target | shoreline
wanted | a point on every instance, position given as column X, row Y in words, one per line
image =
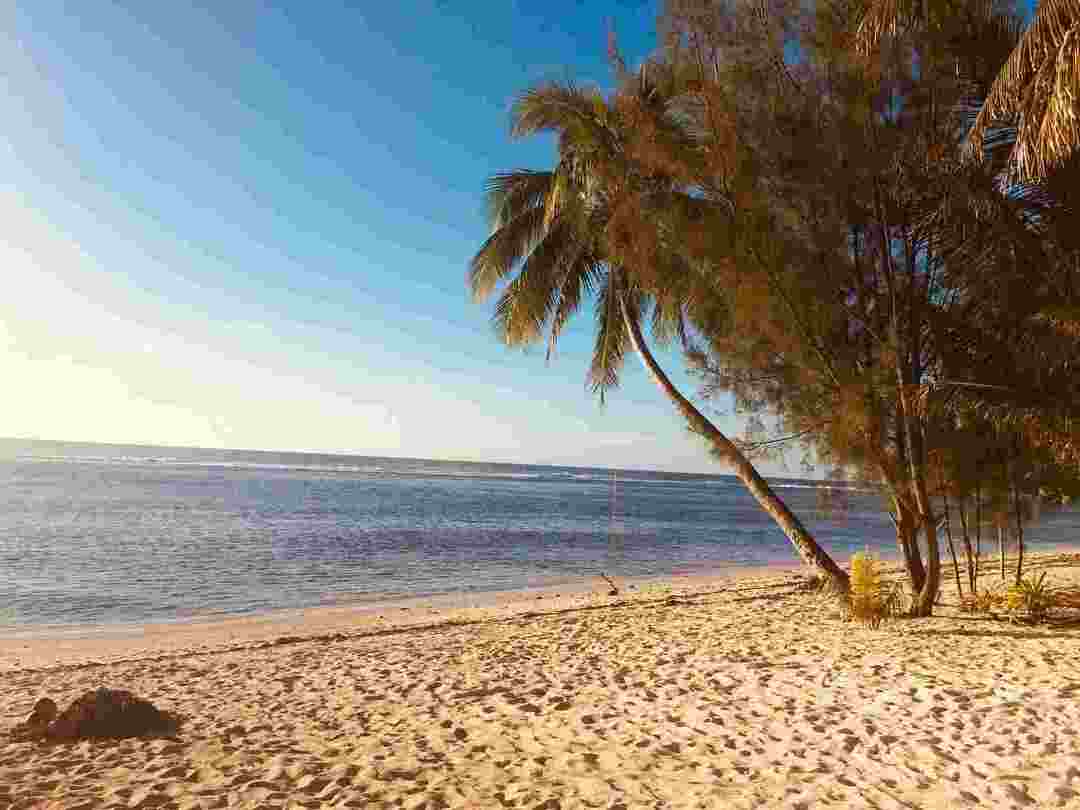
column 39, row 647
column 362, row 603
column 373, row 601
column 56, row 646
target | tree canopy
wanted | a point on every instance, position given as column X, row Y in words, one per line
column 791, row 192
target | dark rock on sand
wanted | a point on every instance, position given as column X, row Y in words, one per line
column 102, row 713
column 44, row 713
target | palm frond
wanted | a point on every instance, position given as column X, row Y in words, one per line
column 529, row 299
column 583, row 274
column 552, row 242
column 510, row 194
column 1040, row 83
column 612, row 337
column 503, row 250
column 672, row 299
column 559, row 107
column 559, row 196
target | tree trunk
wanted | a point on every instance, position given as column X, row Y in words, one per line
column 907, row 529
column 907, row 542
column 1001, row 549
column 903, row 520
column 924, row 600
column 978, row 528
column 972, row 562
column 812, row 554
column 1019, row 537
column 952, row 549
column 1003, row 519
column 910, row 435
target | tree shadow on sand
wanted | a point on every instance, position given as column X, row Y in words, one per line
column 1000, row 627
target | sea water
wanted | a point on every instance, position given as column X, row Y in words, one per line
column 108, row 533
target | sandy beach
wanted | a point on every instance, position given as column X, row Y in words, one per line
column 711, row 692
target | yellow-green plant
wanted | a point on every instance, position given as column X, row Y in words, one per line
column 1031, row 598
column 871, row 600
column 985, row 601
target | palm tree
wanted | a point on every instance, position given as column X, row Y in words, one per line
column 551, row 248
column 1040, row 86
column 1037, row 88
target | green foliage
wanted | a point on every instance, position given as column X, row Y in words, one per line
column 898, row 309
column 564, row 237
column 1031, row 599
column 808, row 230
column 872, row 600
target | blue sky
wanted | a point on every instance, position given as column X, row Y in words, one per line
column 247, row 225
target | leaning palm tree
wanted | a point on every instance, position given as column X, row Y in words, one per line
column 551, row 249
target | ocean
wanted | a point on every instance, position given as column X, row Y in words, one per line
column 102, row 534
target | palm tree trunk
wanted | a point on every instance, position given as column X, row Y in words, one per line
column 812, row 554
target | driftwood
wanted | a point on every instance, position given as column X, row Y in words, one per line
column 614, row 588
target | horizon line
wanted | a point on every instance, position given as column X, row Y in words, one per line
column 347, row 454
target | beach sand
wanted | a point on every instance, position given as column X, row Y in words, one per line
column 728, row 693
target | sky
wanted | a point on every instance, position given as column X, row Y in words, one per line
column 248, row 225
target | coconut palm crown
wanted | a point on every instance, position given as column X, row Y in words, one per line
column 550, row 240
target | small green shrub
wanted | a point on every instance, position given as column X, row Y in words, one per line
column 1030, row 599
column 871, row 600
